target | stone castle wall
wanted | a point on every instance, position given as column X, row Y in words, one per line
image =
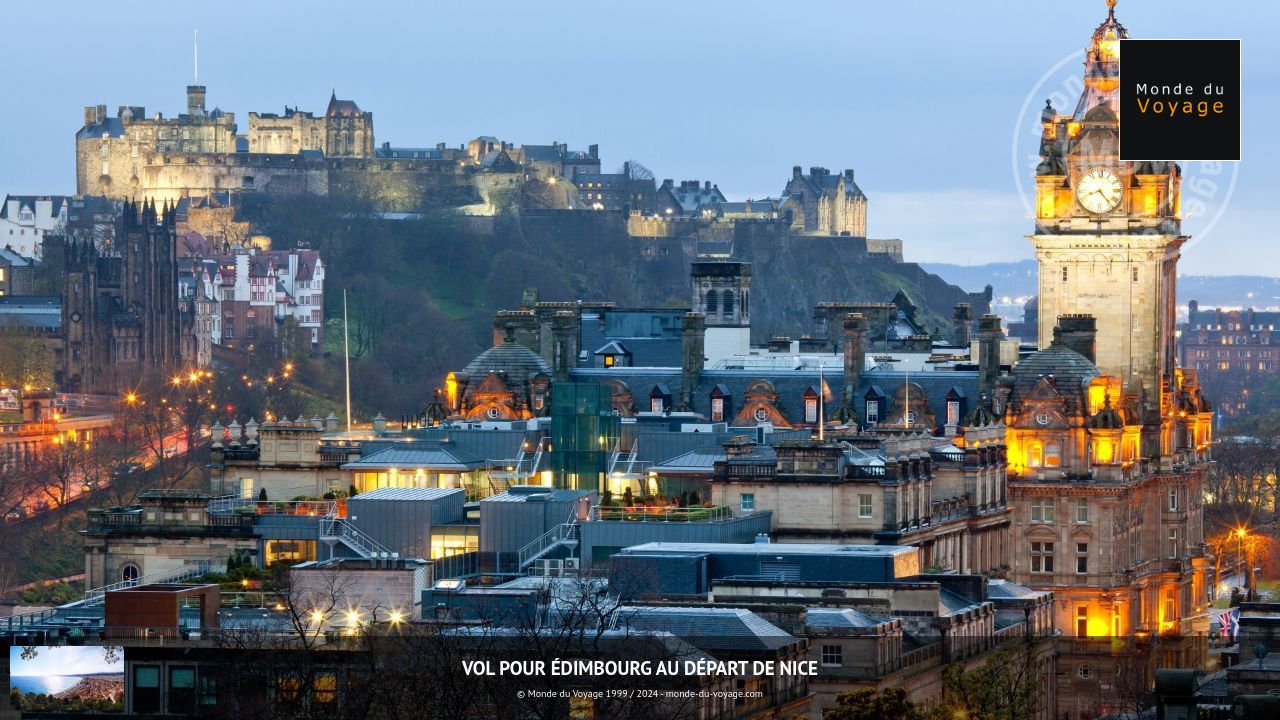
column 119, row 168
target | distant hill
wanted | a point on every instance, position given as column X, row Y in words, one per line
column 1006, row 278
column 1019, row 279
column 423, row 290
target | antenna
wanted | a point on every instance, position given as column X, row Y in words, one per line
column 196, row 55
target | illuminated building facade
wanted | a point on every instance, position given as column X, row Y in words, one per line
column 1108, row 440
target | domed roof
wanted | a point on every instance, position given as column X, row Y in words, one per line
column 1071, row 373
column 515, row 362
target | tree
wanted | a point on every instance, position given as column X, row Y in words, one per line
column 872, row 705
column 1007, row 686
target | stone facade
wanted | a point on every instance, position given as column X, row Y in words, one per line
column 1231, row 351
column 121, row 315
column 825, row 204
column 1108, row 441
column 169, row 529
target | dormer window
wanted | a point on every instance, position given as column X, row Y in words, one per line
column 811, row 406
column 873, row 412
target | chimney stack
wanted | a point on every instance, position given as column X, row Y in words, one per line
column 564, row 338
column 989, row 336
column 960, row 322
column 1079, row 333
column 854, row 330
column 693, row 357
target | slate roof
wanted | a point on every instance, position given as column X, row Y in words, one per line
column 29, row 201
column 541, row 153
column 1003, row 589
column 839, row 618
column 514, row 363
column 341, row 108
column 13, row 259
column 112, row 126
column 700, row 461
column 953, row 603
column 1071, row 372
column 789, row 384
column 398, row 152
column 708, row 629
column 31, row 311
column 426, row 455
column 1214, row 316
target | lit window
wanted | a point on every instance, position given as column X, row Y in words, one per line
column 1052, row 455
column 1082, row 621
column 953, row 412
column 1035, row 454
column 811, row 409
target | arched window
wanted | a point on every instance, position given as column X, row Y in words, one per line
column 1035, row 454
column 129, row 572
column 712, row 301
column 728, row 302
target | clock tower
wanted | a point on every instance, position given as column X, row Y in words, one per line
column 1107, row 232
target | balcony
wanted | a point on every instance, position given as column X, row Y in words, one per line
column 664, row 513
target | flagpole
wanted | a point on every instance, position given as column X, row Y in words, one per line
column 346, row 355
column 822, row 389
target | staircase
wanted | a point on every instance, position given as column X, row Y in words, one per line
column 524, row 466
column 564, row 535
column 334, row 530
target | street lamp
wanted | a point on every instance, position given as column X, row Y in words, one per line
column 1240, row 556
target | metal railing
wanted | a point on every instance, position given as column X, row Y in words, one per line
column 563, row 532
column 186, row 572
column 662, row 513
column 332, row 526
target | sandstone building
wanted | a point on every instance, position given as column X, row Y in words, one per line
column 1108, row 440
column 122, row 314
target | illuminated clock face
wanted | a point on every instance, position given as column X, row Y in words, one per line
column 1099, row 190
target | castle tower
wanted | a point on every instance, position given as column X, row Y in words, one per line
column 722, row 293
column 1108, row 233
column 195, row 100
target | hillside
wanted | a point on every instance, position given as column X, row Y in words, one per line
column 423, row 290
column 1018, row 279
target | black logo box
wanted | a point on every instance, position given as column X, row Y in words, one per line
column 1206, row 133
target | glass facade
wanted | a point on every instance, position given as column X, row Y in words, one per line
column 584, row 434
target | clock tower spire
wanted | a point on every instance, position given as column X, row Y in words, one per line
column 1108, row 232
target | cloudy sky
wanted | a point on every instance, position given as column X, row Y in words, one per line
column 922, row 99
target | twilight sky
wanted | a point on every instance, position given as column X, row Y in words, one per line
column 920, row 98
